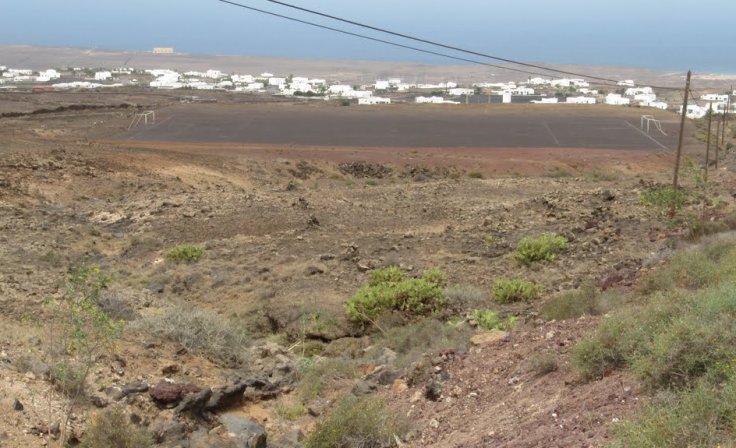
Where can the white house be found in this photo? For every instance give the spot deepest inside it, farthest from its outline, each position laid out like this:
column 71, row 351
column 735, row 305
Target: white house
column 626, row 83
column 546, row 101
column 340, row 89
column 48, row 75
column 433, row 100
column 381, row 85
column 317, row 82
column 580, row 100
column 242, row 79
column 374, row 100
column 266, row 75
column 299, row 80
column 103, row 76
column 253, row 87
column 633, row 91
column 523, row 91
column 460, row 91
column 616, row 99
column 569, row 82
column 213, row 74
column 694, row 111
column 586, row 91
column 714, row 97
column 655, row 104
column 539, row 81
column 645, row 97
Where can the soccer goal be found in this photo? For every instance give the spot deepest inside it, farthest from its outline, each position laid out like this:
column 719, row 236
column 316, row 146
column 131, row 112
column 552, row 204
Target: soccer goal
column 648, row 120
column 147, row 117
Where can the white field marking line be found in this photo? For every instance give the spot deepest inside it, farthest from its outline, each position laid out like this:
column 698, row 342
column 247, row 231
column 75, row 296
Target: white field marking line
column 646, row 135
column 552, row 134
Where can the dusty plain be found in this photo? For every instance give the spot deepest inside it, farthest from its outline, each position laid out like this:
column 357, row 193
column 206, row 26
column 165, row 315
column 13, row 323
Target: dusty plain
column 294, row 204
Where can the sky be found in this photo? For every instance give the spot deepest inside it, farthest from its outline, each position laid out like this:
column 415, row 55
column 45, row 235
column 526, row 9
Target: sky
column 664, row 35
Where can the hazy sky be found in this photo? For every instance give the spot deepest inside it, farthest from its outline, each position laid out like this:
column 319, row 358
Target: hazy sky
column 659, row 34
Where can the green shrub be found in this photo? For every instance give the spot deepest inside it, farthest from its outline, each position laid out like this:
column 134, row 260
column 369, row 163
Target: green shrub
column 584, row 301
column 461, row 298
column 388, row 290
column 412, row 341
column 664, row 197
column 515, row 290
column 359, row 423
column 288, row 409
column 475, row 175
column 489, row 320
column 315, row 374
column 543, row 363
column 199, row 331
column 185, row 253
column 543, row 248
column 704, row 416
column 111, row 429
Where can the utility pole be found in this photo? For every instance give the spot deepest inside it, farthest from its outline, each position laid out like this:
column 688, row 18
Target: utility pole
column 707, row 145
column 676, row 175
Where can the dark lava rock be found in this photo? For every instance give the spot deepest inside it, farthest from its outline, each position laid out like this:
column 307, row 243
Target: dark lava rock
column 171, row 393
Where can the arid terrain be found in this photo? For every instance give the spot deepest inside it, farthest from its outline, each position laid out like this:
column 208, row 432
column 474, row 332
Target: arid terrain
column 251, row 335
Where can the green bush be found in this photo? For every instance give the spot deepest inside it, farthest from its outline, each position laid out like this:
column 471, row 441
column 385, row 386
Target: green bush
column 411, row 342
column 359, row 423
column 489, row 320
column 584, row 301
column 543, row 363
column 475, row 175
column 111, row 429
column 461, row 298
column 199, row 331
column 664, row 197
column 185, row 253
column 515, row 290
column 389, row 290
column 316, row 374
column 543, row 248
column 704, row 416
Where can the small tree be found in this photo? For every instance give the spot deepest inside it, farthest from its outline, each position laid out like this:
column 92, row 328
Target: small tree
column 79, row 334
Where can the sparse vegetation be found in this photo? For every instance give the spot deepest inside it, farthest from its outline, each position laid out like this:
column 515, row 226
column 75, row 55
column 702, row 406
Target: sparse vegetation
column 663, row 198
column 586, row 300
column 475, row 175
column 389, row 290
column 315, row 374
column 359, row 423
column 461, row 298
column 514, row 290
column 489, row 320
column 681, row 341
column 543, row 363
column 543, row 248
column 199, row 331
column 111, row 428
column 186, row 253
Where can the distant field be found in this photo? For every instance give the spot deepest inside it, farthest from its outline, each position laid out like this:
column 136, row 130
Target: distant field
column 409, row 126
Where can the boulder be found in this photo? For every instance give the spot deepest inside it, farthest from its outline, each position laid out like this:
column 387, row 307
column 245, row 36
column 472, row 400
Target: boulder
column 165, row 393
column 245, row 432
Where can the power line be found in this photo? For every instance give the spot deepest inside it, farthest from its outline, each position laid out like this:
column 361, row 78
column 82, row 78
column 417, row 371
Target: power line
column 383, row 41
column 437, row 44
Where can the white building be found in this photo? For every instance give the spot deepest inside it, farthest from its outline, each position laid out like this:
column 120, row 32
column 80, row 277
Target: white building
column 616, row 99
column 48, row 75
column 242, row 79
column 694, row 111
column 317, row 82
column 523, row 91
column 252, row 87
column 546, row 101
column 340, row 89
column 433, row 100
column 374, row 100
column 265, row 75
column 655, row 104
column 626, row 83
column 586, row 91
column 580, row 100
column 538, row 81
column 461, row 92
column 381, row 85
column 569, row 82
column 645, row 97
column 275, row 81
column 103, row 76
column 714, row 97
column 633, row 91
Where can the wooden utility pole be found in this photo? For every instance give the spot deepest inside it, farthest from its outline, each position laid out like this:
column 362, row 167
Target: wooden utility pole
column 718, row 140
column 678, row 156
column 707, row 144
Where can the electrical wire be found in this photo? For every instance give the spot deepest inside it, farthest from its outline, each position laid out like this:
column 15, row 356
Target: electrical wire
column 606, row 81
column 383, row 41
